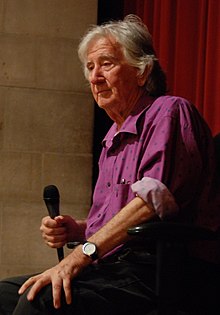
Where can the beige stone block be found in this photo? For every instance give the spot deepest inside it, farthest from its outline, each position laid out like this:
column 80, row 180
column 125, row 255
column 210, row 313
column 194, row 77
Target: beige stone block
column 21, row 242
column 58, row 66
column 20, row 176
column 71, row 174
column 2, row 108
column 7, row 271
column 40, row 62
column 66, row 18
column 1, row 15
column 14, row 236
column 44, row 121
column 1, row 211
column 17, row 60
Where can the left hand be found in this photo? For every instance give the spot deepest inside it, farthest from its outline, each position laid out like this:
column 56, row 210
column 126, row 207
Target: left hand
column 60, row 277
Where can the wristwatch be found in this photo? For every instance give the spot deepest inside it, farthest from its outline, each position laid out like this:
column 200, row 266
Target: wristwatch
column 89, row 249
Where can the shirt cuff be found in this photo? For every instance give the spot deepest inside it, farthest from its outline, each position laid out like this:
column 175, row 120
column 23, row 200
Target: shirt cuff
column 155, row 193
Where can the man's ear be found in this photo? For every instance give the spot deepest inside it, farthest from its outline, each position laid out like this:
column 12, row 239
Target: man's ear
column 142, row 78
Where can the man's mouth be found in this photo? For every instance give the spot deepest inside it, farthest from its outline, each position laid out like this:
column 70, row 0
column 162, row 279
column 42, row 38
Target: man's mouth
column 103, row 91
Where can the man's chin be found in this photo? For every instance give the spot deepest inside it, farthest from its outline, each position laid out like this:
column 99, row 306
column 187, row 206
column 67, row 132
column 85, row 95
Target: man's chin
column 103, row 102
column 102, row 105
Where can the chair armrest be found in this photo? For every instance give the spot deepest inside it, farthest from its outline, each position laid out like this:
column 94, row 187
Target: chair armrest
column 173, row 231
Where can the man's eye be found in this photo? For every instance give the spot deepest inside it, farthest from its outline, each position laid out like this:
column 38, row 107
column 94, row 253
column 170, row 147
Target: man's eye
column 90, row 67
column 107, row 64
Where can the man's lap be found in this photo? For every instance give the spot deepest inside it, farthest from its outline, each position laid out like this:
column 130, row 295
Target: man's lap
column 121, row 286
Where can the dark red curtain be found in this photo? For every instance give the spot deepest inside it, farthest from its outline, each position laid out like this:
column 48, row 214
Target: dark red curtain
column 186, row 35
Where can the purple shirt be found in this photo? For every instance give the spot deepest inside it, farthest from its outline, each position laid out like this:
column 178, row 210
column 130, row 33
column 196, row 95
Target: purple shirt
column 164, row 139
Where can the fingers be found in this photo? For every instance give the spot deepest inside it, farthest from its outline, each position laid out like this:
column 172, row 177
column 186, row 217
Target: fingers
column 56, row 244
column 40, row 281
column 57, row 286
column 57, row 277
column 37, row 286
column 30, row 282
column 61, row 220
column 59, row 283
column 53, row 233
column 47, row 225
column 56, row 291
column 48, row 222
column 58, row 234
column 67, row 290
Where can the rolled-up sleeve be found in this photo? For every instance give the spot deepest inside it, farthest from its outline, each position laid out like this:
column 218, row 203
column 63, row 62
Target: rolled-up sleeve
column 157, row 195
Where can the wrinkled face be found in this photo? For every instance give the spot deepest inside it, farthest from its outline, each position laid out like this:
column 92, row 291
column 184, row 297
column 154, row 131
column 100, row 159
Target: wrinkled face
column 113, row 82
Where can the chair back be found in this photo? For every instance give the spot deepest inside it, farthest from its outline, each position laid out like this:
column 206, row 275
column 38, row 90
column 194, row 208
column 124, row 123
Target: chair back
column 217, row 153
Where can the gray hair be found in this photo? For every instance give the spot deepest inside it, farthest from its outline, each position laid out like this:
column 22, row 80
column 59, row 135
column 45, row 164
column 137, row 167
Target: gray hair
column 136, row 42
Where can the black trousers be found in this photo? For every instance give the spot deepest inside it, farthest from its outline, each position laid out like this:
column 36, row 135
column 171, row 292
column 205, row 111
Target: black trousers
column 121, row 284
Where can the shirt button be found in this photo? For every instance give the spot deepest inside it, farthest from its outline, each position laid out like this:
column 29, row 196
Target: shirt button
column 108, row 184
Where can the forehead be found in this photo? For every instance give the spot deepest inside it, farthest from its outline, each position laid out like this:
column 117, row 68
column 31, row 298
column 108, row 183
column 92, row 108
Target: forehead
column 104, row 46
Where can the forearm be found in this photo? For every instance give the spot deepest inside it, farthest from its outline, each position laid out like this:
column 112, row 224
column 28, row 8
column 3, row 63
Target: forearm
column 114, row 232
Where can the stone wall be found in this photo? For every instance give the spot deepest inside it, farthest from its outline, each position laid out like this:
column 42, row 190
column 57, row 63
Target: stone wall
column 46, row 123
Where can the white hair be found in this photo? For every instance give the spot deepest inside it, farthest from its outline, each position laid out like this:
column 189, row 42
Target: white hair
column 135, row 40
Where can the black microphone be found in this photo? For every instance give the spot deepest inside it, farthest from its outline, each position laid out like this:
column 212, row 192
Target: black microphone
column 51, row 198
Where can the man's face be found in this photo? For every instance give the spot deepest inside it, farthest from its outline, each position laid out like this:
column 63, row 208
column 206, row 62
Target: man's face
column 113, row 82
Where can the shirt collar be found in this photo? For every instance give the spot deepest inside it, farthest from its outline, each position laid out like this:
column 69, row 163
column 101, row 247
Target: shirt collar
column 130, row 124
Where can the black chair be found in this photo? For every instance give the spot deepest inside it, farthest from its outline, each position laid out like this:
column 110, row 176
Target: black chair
column 176, row 271
column 183, row 284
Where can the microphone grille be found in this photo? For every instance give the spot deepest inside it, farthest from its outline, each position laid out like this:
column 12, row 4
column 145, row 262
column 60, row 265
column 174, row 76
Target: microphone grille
column 51, row 192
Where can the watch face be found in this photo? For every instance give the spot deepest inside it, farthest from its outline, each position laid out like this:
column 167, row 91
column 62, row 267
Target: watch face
column 89, row 248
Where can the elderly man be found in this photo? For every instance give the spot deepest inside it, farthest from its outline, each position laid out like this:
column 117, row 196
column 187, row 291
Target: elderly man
column 156, row 163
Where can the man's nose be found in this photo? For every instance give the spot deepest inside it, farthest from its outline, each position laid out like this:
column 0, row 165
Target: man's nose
column 96, row 76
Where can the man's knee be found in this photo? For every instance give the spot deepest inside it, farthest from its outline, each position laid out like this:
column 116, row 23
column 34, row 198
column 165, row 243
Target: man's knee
column 8, row 297
column 40, row 305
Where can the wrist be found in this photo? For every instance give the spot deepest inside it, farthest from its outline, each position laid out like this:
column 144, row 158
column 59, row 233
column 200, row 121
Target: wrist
column 78, row 256
column 89, row 249
column 86, row 248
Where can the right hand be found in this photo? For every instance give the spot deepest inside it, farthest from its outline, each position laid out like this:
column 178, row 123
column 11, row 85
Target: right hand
column 60, row 230
column 60, row 277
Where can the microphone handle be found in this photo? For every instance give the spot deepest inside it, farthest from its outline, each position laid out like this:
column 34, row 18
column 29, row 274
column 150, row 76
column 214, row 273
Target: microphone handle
column 60, row 253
